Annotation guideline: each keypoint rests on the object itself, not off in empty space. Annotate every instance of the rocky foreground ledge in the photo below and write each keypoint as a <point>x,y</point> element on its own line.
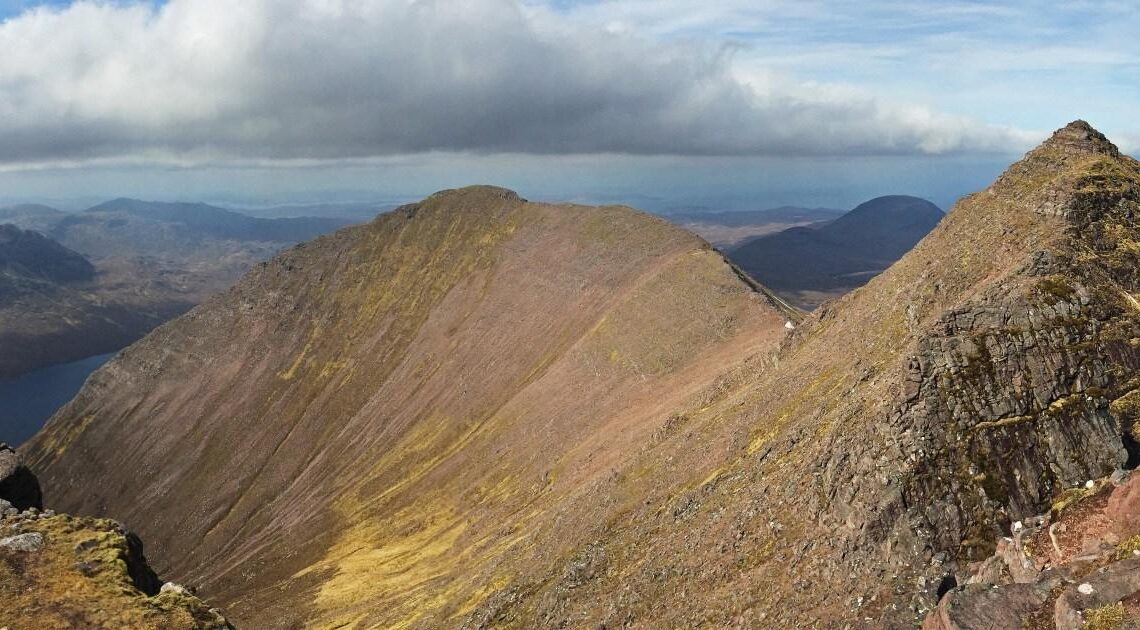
<point>61,571</point>
<point>1076,567</point>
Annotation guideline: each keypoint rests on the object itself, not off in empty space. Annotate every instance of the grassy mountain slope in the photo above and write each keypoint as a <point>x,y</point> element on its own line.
<point>379,426</point>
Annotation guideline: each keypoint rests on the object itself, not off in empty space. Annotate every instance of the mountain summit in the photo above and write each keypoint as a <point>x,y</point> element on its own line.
<point>1079,137</point>
<point>481,412</point>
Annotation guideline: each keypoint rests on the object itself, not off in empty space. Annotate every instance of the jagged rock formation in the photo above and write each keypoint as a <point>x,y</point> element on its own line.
<point>384,425</point>
<point>1077,566</point>
<point>812,264</point>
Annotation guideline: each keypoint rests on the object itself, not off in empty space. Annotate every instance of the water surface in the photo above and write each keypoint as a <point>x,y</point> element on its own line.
<point>27,402</point>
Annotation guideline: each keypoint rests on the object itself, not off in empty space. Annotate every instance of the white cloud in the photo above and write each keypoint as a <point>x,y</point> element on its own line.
<point>331,79</point>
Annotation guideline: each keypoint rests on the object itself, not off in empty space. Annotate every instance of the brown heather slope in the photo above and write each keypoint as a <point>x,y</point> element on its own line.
<point>383,425</point>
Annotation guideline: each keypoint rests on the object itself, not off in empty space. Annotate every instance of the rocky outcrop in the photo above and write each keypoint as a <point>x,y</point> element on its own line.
<point>59,571</point>
<point>19,488</point>
<point>1064,569</point>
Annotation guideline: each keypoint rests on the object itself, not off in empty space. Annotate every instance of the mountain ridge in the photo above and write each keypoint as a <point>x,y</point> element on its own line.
<point>433,334</point>
<point>662,437</point>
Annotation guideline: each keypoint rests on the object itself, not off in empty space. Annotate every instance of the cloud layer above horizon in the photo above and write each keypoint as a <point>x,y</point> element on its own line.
<point>292,81</point>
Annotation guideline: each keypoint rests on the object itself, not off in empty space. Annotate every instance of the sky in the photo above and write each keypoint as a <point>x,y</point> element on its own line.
<point>664,104</point>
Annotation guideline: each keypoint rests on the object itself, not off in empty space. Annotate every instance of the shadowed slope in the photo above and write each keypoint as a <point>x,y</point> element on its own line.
<point>375,426</point>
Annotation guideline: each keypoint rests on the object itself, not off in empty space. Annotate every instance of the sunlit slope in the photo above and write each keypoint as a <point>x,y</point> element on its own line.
<point>381,426</point>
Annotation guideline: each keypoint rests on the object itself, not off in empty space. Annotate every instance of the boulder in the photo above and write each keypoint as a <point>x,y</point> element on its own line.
<point>171,587</point>
<point>1106,587</point>
<point>984,606</point>
<point>24,543</point>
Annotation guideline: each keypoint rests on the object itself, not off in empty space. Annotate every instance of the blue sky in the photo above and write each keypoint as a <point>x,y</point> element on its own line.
<point>666,103</point>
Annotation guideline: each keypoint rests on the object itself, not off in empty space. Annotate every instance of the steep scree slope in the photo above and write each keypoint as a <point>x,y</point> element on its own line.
<point>378,426</point>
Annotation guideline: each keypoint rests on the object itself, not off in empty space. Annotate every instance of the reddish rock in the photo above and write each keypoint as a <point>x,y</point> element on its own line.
<point>1123,508</point>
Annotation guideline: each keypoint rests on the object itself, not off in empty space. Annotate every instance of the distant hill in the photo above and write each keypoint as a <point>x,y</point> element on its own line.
<point>56,306</point>
<point>33,256</point>
<point>177,228</point>
<point>811,264</point>
<point>727,229</point>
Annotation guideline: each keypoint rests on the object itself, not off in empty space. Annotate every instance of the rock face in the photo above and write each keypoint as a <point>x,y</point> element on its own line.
<point>357,431</point>
<point>19,488</point>
<point>1077,566</point>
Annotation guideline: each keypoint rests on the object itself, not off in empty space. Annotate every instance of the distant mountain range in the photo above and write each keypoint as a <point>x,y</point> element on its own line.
<point>728,229</point>
<point>31,216</point>
<point>180,230</point>
<point>92,282</point>
<point>360,211</point>
<point>811,264</point>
